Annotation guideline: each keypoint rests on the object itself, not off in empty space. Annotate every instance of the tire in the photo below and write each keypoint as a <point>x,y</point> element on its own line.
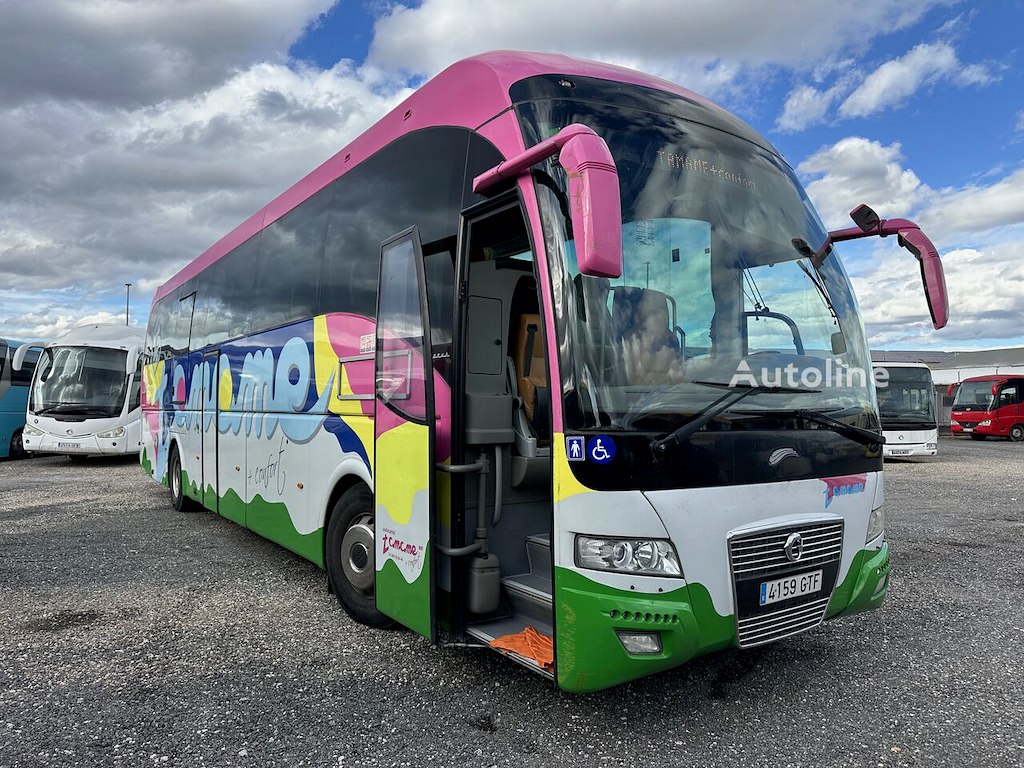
<point>17,450</point>
<point>349,558</point>
<point>175,481</point>
<point>1017,433</point>
<point>978,437</point>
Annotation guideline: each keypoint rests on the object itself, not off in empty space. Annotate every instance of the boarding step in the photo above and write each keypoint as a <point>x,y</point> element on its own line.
<point>538,550</point>
<point>529,594</point>
<point>488,631</point>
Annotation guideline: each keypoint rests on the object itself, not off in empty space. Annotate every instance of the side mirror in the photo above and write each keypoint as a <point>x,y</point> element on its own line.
<point>910,236</point>
<point>594,205</point>
<point>132,360</point>
<point>20,352</point>
<point>838,343</point>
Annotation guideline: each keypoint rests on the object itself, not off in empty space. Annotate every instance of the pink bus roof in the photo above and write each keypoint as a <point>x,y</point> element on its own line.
<point>466,94</point>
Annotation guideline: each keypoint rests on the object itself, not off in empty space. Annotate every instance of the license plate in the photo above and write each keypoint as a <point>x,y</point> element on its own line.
<point>67,445</point>
<point>968,429</point>
<point>900,452</point>
<point>791,586</point>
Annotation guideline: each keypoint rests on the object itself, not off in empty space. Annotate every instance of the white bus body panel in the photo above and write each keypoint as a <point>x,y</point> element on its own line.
<point>901,443</point>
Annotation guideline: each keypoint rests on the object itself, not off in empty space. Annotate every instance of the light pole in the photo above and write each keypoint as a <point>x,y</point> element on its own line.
<point>127,293</point>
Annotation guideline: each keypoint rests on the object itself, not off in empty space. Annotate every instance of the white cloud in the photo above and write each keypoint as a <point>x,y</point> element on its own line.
<point>1019,127</point>
<point>896,80</point>
<point>856,170</point>
<point>139,52</point>
<point>806,105</point>
<point>93,197</point>
<point>666,37</point>
<point>978,230</point>
<point>986,298</point>
<point>976,208</point>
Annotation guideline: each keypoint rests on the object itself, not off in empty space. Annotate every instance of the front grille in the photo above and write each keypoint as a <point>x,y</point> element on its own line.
<point>761,556</point>
<point>763,553</point>
<point>969,424</point>
<point>775,625</point>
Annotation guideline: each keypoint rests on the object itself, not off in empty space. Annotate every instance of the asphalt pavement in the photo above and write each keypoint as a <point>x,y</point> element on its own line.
<point>134,635</point>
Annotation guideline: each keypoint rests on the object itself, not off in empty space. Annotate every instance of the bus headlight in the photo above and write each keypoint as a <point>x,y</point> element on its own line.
<point>116,432</point>
<point>876,524</point>
<point>649,557</point>
<point>32,431</point>
<point>985,423</point>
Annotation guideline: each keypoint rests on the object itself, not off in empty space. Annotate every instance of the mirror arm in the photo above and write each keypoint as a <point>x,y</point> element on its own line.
<point>508,169</point>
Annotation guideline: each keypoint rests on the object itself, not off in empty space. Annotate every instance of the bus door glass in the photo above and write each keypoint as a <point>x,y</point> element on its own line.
<point>208,425</point>
<point>404,431</point>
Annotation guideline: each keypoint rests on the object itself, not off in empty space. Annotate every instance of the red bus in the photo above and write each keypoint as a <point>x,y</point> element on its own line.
<point>990,406</point>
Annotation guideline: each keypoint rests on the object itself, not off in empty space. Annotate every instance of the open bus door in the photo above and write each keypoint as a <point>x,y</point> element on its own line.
<point>404,432</point>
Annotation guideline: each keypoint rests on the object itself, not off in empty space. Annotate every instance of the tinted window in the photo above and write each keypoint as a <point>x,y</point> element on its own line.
<point>225,295</point>
<point>419,180</point>
<point>289,263</point>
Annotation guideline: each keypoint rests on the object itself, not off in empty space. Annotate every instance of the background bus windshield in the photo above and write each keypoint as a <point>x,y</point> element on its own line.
<point>908,400</point>
<point>80,381</point>
<point>718,285</point>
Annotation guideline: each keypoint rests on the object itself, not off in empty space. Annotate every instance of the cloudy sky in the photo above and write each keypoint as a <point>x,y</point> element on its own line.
<point>134,133</point>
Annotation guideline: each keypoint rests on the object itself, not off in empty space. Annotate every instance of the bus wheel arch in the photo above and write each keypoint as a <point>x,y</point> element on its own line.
<point>349,547</point>
<point>1017,433</point>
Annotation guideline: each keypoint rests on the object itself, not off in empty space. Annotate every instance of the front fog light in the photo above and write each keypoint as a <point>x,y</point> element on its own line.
<point>640,643</point>
<point>116,432</point>
<point>650,557</point>
<point>876,524</point>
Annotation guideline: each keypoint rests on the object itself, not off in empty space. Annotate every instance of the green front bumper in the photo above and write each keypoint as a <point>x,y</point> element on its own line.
<point>591,657</point>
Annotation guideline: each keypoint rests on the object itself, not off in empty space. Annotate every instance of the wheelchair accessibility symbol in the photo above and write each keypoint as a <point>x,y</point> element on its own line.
<point>601,449</point>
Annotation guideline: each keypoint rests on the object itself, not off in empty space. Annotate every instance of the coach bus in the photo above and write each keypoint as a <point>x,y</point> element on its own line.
<point>989,406</point>
<point>481,367</point>
<point>14,396</point>
<point>85,394</point>
<point>906,407</point>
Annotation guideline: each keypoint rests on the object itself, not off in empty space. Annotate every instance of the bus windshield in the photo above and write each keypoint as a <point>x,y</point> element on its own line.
<point>719,288</point>
<point>80,381</point>
<point>908,400</point>
<point>974,396</point>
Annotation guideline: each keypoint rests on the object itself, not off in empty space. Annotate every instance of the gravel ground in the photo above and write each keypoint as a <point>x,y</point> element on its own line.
<point>133,635</point>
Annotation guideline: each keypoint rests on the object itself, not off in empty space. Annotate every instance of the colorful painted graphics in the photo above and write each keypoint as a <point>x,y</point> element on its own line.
<point>265,426</point>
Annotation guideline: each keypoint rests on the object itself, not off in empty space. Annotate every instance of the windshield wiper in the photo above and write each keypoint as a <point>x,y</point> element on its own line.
<point>55,407</point>
<point>857,434</point>
<point>660,446</point>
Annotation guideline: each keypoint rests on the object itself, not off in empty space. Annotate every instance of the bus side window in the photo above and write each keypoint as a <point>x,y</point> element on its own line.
<point>1008,396</point>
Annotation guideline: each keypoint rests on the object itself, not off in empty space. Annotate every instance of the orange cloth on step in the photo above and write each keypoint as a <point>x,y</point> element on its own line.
<point>530,644</point>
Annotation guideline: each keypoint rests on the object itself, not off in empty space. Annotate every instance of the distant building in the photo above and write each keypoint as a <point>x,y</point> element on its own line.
<point>953,367</point>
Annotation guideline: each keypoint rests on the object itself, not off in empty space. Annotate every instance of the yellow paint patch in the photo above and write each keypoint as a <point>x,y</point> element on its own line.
<point>153,374</point>
<point>325,360</point>
<point>404,471</point>
<point>566,484</point>
<point>224,390</point>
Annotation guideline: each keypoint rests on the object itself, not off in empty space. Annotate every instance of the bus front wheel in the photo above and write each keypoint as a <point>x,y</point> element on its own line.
<point>350,563</point>
<point>1017,433</point>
